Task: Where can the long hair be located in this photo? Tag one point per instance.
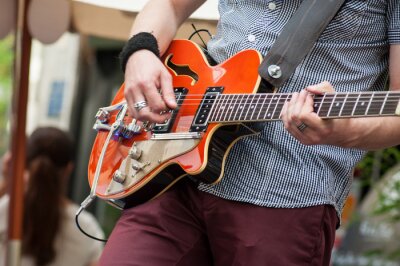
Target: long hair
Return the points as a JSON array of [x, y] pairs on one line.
[[49, 152]]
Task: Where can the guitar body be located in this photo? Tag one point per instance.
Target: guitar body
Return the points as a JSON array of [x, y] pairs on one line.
[[162, 161]]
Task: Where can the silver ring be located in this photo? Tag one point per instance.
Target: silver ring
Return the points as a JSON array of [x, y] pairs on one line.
[[140, 105], [302, 126]]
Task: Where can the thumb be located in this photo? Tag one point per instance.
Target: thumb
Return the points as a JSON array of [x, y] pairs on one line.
[[320, 88]]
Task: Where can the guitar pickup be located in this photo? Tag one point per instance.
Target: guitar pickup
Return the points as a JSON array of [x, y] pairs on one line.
[[200, 121], [180, 94]]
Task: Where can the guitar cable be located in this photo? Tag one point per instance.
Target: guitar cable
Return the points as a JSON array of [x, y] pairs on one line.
[[203, 47], [83, 206], [196, 31], [89, 199]]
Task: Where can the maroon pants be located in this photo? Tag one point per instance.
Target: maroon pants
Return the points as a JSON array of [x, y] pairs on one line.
[[185, 226]]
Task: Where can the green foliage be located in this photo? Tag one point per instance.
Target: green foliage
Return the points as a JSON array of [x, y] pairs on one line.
[[6, 61], [388, 203], [389, 158], [6, 75], [389, 199]]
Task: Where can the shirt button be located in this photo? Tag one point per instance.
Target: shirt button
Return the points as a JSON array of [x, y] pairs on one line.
[[272, 6], [251, 38]]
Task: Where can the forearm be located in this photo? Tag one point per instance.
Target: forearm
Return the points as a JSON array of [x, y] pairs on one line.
[[375, 132], [163, 18], [371, 133]]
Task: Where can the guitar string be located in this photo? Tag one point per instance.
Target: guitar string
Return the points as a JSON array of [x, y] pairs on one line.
[[319, 100], [193, 102], [324, 103], [364, 104], [322, 97], [345, 110]]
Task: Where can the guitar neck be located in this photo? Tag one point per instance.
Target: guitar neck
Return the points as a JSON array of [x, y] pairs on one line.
[[268, 106]]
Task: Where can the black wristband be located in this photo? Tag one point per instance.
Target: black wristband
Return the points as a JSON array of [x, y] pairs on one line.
[[142, 40]]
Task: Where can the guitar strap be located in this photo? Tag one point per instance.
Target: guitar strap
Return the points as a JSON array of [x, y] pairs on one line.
[[296, 39]]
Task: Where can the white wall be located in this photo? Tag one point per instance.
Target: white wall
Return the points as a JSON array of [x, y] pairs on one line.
[[53, 75], [207, 11]]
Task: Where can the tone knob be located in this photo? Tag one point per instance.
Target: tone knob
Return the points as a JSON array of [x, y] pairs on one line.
[[135, 152], [119, 177]]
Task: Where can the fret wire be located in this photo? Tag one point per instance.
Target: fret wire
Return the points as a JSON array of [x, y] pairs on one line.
[[362, 104], [217, 110], [343, 104], [245, 112], [231, 108], [375, 106], [251, 107], [383, 104], [256, 96], [369, 103], [262, 105], [337, 105], [322, 103], [272, 107], [244, 107], [330, 107], [265, 107], [215, 103], [325, 106], [276, 105], [223, 107], [282, 103], [237, 102], [267, 112]]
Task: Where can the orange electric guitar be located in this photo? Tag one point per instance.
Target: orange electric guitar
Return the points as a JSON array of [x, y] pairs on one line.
[[133, 161]]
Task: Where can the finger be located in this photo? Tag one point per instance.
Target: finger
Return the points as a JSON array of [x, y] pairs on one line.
[[321, 88], [308, 116], [283, 114], [155, 100], [291, 105], [132, 96], [298, 108], [148, 115], [167, 90]]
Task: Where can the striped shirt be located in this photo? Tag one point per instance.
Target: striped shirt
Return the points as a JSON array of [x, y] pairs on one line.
[[273, 169]]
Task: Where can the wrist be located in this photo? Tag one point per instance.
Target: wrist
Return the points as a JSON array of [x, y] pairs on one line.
[[140, 41]]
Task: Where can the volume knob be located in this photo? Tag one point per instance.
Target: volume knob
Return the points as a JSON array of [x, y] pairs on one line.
[[135, 152]]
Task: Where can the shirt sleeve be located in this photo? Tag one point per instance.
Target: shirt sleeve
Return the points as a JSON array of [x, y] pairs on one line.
[[394, 22]]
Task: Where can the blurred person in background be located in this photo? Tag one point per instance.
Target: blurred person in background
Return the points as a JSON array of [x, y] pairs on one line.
[[50, 235]]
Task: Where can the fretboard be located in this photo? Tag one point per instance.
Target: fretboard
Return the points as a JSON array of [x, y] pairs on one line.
[[268, 106]]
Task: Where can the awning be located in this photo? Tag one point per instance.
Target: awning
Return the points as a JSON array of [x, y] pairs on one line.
[[113, 18]]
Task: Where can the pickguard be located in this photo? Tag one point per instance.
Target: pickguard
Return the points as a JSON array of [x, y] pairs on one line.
[[155, 154]]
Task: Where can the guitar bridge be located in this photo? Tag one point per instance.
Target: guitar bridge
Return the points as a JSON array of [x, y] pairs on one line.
[[180, 135]]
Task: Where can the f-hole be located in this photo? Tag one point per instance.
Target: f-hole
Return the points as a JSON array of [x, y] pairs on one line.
[[182, 70]]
